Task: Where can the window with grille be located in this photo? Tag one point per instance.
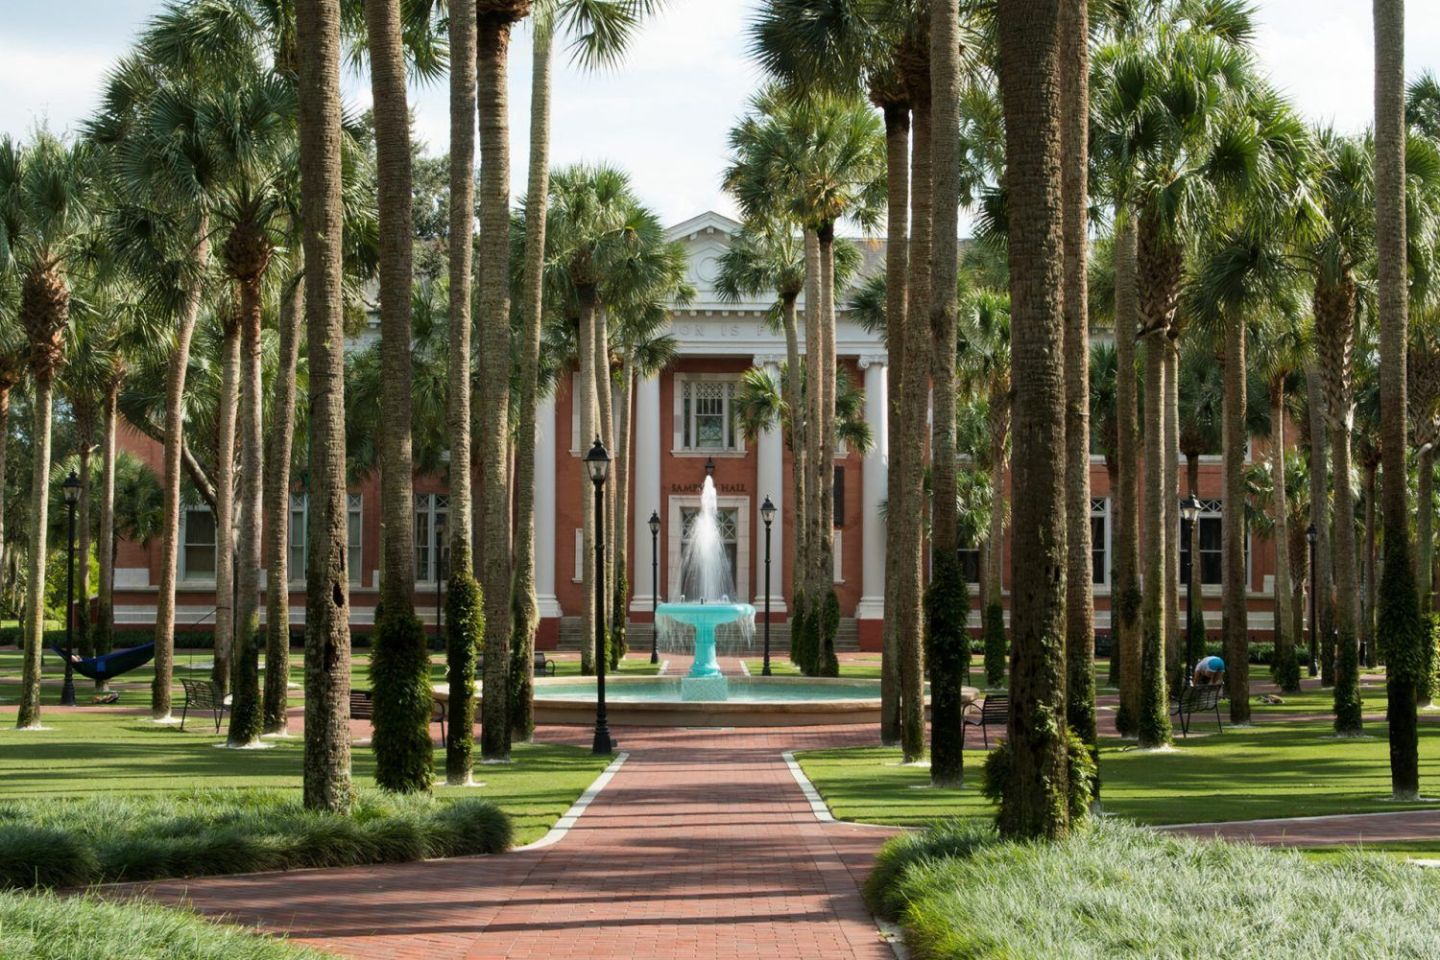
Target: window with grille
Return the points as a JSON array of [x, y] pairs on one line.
[[431, 550], [729, 522], [707, 411], [1210, 547], [197, 559], [297, 557], [1099, 546]]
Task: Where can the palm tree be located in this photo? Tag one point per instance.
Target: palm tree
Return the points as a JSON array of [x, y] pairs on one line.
[[1423, 384], [1125, 595], [1035, 801], [327, 783], [43, 213], [1399, 623], [277, 511], [400, 661], [1201, 423]]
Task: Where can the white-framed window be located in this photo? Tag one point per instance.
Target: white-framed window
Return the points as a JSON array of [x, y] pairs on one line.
[[1099, 541], [431, 548], [970, 562], [297, 540], [1210, 547], [198, 539], [729, 522], [837, 572], [705, 420]]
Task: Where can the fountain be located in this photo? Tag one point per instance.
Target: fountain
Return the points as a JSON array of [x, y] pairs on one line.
[[705, 570]]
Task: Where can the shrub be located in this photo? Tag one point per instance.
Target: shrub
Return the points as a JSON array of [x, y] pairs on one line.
[[996, 646], [46, 843], [400, 681], [47, 927], [826, 663], [1126, 891], [1428, 685], [798, 630], [1081, 780], [464, 628], [618, 642]]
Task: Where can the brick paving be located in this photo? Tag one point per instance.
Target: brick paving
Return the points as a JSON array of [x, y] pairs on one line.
[[701, 846], [1341, 829]]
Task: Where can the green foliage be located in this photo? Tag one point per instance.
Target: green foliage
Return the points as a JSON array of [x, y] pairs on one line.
[[1121, 890], [826, 663], [997, 648], [1285, 669], [46, 926], [1349, 716], [617, 641], [1428, 685], [1082, 773], [947, 653], [1195, 640], [400, 680], [70, 842], [55, 583], [1153, 724], [1399, 629], [798, 631], [464, 628]]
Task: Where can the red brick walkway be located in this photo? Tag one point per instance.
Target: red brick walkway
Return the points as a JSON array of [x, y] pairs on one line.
[[1338, 830], [701, 846]]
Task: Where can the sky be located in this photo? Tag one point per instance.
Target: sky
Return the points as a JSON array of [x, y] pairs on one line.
[[664, 114]]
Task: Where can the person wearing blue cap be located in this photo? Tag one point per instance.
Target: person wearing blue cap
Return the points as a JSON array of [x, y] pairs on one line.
[[1208, 670]]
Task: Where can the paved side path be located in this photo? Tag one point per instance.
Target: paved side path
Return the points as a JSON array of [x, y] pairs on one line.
[[1337, 830], [702, 846]]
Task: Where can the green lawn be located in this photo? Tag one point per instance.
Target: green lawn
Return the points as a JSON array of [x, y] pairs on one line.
[[107, 753], [1289, 770]]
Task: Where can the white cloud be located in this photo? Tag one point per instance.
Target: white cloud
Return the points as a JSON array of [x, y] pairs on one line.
[[57, 85]]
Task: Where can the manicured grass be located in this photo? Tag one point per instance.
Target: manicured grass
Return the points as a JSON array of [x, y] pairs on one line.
[[1394, 849], [46, 927], [1119, 890], [1272, 770], [109, 754], [865, 668]]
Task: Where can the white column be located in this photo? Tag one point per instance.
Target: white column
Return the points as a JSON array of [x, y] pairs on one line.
[[874, 481], [770, 482], [545, 509], [646, 480]]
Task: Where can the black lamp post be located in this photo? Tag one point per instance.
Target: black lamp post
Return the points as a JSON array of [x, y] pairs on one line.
[[709, 466], [597, 462], [654, 586], [71, 489], [1310, 537], [1190, 511], [767, 513]]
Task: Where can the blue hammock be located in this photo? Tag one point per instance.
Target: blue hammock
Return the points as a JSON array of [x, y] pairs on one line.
[[107, 666]]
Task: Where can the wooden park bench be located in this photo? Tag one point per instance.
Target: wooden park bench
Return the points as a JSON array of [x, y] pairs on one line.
[[544, 666], [993, 711], [362, 707], [1201, 698], [203, 695]]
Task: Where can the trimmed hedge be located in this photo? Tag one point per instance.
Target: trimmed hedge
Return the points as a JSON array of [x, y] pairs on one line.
[[67, 843], [1120, 890]]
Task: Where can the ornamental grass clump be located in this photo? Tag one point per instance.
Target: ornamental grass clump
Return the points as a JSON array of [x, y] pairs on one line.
[[1120, 890], [66, 843]]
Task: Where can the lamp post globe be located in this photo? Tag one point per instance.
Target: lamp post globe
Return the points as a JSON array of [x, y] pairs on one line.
[[767, 513], [71, 489], [597, 465], [654, 586]]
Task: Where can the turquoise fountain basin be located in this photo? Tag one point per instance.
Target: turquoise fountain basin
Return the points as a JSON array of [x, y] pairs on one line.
[[705, 617]]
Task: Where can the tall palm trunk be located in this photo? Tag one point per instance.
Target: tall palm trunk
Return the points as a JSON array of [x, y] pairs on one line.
[[42, 399], [170, 477], [1425, 527], [7, 384], [947, 607], [1399, 624], [799, 451], [225, 501], [1371, 574], [822, 547], [589, 432], [1036, 795], [524, 606], [1322, 578], [605, 421], [1174, 638], [1194, 590], [915, 382], [1236, 587], [327, 782], [246, 721], [1335, 334], [1287, 674], [1079, 576], [1125, 597], [85, 436], [464, 629], [806, 596], [277, 514], [993, 613], [897, 261], [1153, 722], [105, 546], [624, 394], [493, 277]]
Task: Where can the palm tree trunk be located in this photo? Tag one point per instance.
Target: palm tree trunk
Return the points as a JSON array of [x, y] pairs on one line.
[[42, 399], [1125, 597], [277, 514], [173, 446], [1037, 790], [85, 430], [1371, 574], [1236, 586], [1153, 722], [493, 277], [1079, 575], [994, 609], [1322, 579], [799, 450], [589, 431], [897, 261], [524, 606], [625, 393], [105, 547], [605, 413], [225, 503], [245, 713], [6, 386], [462, 635], [947, 606], [1194, 589], [1286, 634], [915, 382], [1425, 528], [806, 596], [824, 592], [327, 782], [1175, 640]]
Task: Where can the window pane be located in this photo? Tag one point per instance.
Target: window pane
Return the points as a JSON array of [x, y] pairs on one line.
[[1097, 549], [1210, 536], [199, 562], [422, 545], [354, 539]]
